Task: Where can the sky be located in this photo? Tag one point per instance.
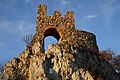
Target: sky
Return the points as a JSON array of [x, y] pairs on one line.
[[18, 18]]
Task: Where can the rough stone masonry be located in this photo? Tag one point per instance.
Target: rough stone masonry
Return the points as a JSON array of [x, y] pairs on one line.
[[74, 57]]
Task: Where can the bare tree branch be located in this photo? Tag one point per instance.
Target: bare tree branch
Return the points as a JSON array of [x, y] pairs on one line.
[[28, 40]]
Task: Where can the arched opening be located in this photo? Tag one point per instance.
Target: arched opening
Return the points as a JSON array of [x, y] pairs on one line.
[[51, 36], [49, 40]]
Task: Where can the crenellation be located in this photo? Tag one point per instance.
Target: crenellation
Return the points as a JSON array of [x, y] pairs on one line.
[[69, 16], [42, 10], [41, 14], [57, 14]]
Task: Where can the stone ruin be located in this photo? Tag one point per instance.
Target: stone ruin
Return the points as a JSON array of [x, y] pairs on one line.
[[74, 57]]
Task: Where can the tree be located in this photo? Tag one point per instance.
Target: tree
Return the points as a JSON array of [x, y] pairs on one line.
[[111, 57], [28, 40]]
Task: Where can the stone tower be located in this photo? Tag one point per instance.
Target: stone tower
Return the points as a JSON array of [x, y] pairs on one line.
[[74, 57], [61, 28]]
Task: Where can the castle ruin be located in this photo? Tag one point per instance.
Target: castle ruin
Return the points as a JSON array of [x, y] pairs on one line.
[[74, 57]]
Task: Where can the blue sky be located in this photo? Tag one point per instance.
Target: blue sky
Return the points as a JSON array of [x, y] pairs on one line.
[[18, 18]]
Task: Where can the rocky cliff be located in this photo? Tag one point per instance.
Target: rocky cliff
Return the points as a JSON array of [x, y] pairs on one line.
[[74, 57]]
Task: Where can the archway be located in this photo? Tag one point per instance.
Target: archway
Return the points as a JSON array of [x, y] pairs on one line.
[[49, 40], [51, 36]]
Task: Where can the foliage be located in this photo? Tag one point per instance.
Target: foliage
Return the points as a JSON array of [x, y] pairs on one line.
[[111, 57], [27, 39]]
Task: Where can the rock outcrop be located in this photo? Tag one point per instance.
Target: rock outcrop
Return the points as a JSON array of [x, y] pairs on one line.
[[74, 57]]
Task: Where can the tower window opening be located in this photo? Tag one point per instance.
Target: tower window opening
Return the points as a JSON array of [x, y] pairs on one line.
[[51, 36], [49, 40]]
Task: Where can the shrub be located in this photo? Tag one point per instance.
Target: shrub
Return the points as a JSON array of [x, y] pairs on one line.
[[111, 57]]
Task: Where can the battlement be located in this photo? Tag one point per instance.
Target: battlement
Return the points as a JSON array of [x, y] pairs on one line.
[[54, 20]]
